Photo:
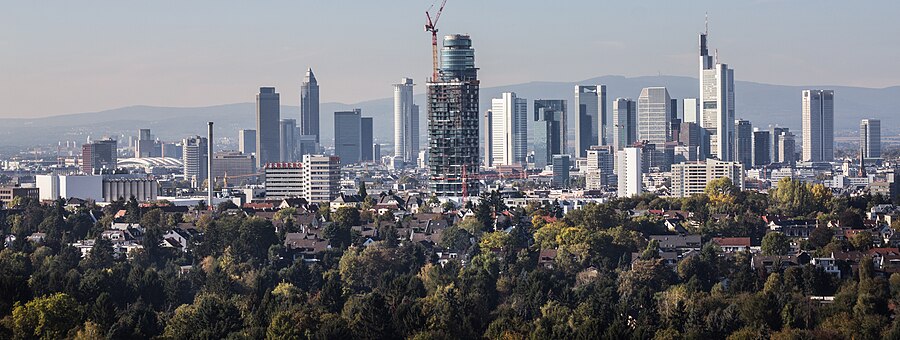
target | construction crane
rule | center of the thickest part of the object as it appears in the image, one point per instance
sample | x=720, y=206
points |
x=431, y=26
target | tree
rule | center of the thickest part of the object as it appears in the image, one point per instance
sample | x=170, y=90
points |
x=775, y=243
x=362, y=190
x=209, y=317
x=132, y=211
x=346, y=217
x=721, y=191
x=48, y=317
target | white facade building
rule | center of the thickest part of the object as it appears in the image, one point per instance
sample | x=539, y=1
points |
x=818, y=126
x=870, y=138
x=689, y=178
x=508, y=128
x=630, y=171
x=654, y=116
x=52, y=187
x=691, y=110
x=716, y=103
x=406, y=122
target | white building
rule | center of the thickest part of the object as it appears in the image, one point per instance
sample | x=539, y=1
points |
x=689, y=178
x=406, y=122
x=870, y=138
x=654, y=115
x=818, y=126
x=599, y=168
x=507, y=140
x=322, y=175
x=716, y=103
x=143, y=189
x=630, y=171
x=52, y=187
x=690, y=110
x=194, y=153
x=285, y=180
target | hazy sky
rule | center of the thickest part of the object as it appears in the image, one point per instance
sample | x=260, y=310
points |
x=76, y=56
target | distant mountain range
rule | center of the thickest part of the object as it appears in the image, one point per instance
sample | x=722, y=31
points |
x=762, y=104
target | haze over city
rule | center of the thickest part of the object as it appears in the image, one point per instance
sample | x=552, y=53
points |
x=67, y=57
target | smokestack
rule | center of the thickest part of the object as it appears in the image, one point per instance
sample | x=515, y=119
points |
x=211, y=182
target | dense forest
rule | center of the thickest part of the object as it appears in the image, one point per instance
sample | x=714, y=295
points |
x=239, y=280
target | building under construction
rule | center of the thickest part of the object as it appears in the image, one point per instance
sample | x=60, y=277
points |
x=453, y=121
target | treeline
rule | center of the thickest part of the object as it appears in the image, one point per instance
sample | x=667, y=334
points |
x=243, y=283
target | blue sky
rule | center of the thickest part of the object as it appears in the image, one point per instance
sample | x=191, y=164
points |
x=76, y=56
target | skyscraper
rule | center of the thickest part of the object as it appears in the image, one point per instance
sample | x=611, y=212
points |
x=287, y=136
x=654, y=116
x=630, y=171
x=743, y=146
x=309, y=105
x=268, y=117
x=599, y=168
x=99, y=155
x=146, y=146
x=716, y=103
x=548, y=130
x=690, y=110
x=786, y=148
x=818, y=125
x=561, y=165
x=508, y=130
x=590, y=121
x=366, y=140
x=348, y=136
x=194, y=156
x=453, y=120
x=624, y=123
x=870, y=138
x=247, y=141
x=762, y=148
x=406, y=122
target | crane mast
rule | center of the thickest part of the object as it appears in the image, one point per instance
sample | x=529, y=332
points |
x=431, y=26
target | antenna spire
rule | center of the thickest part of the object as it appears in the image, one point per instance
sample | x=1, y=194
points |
x=707, y=24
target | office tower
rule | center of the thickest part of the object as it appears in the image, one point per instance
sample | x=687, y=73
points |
x=870, y=138
x=561, y=165
x=268, y=120
x=743, y=142
x=285, y=180
x=488, y=139
x=194, y=153
x=630, y=171
x=599, y=169
x=366, y=140
x=762, y=148
x=774, y=133
x=624, y=123
x=287, y=132
x=233, y=167
x=247, y=141
x=508, y=130
x=654, y=116
x=146, y=146
x=171, y=150
x=786, y=148
x=306, y=145
x=322, y=175
x=406, y=122
x=453, y=120
x=690, y=135
x=548, y=130
x=690, y=110
x=689, y=178
x=818, y=125
x=348, y=136
x=98, y=156
x=590, y=119
x=716, y=103
x=309, y=105
x=376, y=153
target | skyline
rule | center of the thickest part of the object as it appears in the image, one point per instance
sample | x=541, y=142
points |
x=92, y=58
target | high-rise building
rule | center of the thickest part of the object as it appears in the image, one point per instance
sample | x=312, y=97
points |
x=690, y=111
x=716, y=103
x=743, y=142
x=561, y=165
x=323, y=178
x=624, y=123
x=98, y=156
x=247, y=141
x=654, y=116
x=630, y=171
x=406, y=122
x=194, y=159
x=366, y=140
x=590, y=119
x=453, y=120
x=309, y=105
x=287, y=133
x=146, y=146
x=870, y=138
x=599, y=169
x=268, y=117
x=786, y=149
x=285, y=180
x=548, y=130
x=508, y=131
x=689, y=178
x=818, y=125
x=762, y=148
x=690, y=135
x=348, y=136
x=774, y=133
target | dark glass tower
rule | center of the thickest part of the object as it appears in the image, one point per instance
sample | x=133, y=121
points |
x=268, y=121
x=453, y=121
x=309, y=105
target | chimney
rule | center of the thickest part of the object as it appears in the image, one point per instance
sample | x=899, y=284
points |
x=211, y=182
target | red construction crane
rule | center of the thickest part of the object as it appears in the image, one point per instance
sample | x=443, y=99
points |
x=431, y=26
